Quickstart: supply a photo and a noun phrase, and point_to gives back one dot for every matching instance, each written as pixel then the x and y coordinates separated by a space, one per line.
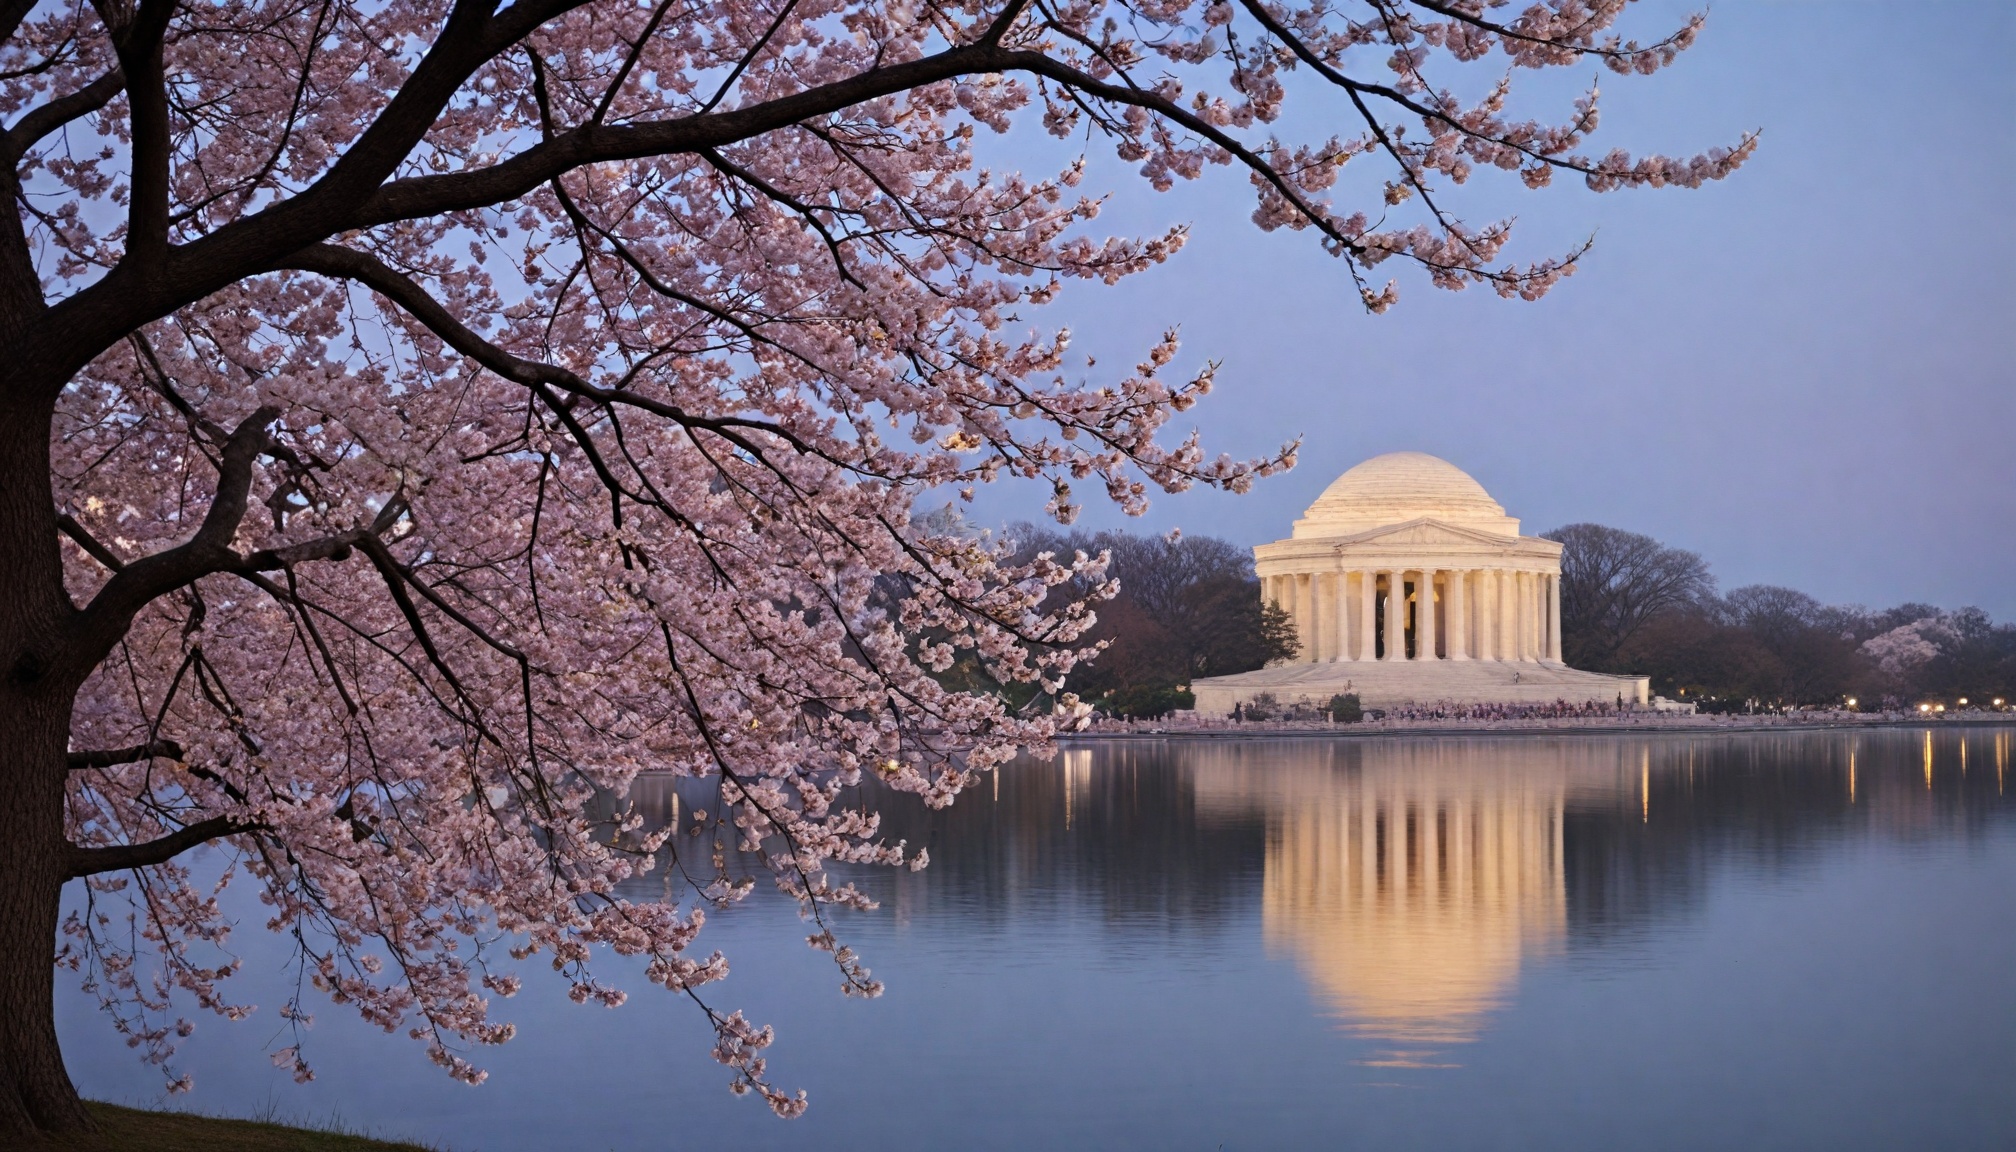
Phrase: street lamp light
pixel 1924 707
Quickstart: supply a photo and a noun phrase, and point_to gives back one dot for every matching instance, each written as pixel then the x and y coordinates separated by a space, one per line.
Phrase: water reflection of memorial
pixel 1412 881
pixel 1409 881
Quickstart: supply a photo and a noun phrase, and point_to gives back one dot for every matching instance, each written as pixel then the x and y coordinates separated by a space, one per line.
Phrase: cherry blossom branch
pixel 120 857
pixel 350 264
pixel 1627 55
pixel 416 196
pixel 91 545
pixel 106 758
pixel 137 584
pixel 43 119
pixel 138 37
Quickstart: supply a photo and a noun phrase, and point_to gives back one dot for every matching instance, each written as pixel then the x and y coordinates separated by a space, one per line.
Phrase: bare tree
pixel 1613 582
pixel 1184 607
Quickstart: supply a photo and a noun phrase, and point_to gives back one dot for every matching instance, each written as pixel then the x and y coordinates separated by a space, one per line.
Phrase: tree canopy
pixel 421 417
pixel 1184 606
pixel 1613 582
pixel 1631 604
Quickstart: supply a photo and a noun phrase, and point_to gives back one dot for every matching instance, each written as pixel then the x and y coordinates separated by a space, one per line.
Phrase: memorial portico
pixel 1405 562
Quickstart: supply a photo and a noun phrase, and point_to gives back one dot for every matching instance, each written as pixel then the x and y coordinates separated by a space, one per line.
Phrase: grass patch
pixel 136 1130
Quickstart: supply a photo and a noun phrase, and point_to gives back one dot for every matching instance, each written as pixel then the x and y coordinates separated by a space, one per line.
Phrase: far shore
pixel 1643 724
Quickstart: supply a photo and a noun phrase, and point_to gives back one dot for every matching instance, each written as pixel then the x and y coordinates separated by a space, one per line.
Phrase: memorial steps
pixel 1390 683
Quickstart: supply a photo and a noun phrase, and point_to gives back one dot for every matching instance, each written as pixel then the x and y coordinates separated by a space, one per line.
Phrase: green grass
pixel 134 1130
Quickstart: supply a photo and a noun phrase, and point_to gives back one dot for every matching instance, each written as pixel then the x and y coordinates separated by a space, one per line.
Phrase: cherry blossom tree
pixel 419 418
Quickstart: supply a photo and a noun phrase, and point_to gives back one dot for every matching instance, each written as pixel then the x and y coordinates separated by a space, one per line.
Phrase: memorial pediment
pixel 1430 533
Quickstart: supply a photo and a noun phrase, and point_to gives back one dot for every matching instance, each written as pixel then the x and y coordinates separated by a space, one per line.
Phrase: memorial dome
pixel 1403 486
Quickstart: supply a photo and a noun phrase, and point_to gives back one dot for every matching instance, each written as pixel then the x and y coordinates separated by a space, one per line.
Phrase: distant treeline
pixel 1187 607
pixel 1631 604
pixel 1190 607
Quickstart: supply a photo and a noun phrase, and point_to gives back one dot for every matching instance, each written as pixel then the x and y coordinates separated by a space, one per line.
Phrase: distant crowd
pixel 1440 710
pixel 1556 710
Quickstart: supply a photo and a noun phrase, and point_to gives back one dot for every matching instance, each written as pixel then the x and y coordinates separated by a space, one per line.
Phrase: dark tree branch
pixel 630 59
pixel 138 37
pixel 92 546
pixel 749 57
pixel 119 857
pixel 12 13
pixel 1604 51
pixel 107 757
pixel 135 585
pixel 350 196
pixel 148 285
pixel 1002 23
pixel 40 121
pixel 349 264
pixel 729 168
pixel 597 143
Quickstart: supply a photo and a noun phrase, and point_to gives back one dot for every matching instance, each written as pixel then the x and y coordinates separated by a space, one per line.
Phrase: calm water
pixel 1755 941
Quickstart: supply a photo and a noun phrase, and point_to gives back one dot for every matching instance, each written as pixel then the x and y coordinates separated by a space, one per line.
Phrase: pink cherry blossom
pixel 421 419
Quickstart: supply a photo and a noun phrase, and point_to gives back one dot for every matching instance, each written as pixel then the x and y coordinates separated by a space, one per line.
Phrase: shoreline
pixel 1313 730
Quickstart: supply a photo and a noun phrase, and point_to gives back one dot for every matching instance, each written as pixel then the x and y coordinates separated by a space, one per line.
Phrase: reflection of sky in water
pixel 1583 942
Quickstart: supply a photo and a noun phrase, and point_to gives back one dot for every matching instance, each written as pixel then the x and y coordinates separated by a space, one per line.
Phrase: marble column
pixel 1459 616
pixel 1312 626
pixel 1305 626
pixel 1538 597
pixel 1488 647
pixel 1538 632
pixel 1424 627
pixel 1523 589
pixel 1323 614
pixel 1480 612
pixel 1554 618
pixel 1396 608
pixel 1508 617
pixel 1533 616
pixel 1340 616
pixel 1368 615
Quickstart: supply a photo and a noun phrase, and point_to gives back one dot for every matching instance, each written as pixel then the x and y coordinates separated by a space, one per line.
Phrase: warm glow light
pixel 1939 708
pixel 1998 701
pixel 1963 699
pixel 1924 707
pixel 1851 701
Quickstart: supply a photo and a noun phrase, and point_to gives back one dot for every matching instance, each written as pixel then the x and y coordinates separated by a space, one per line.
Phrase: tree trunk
pixel 37 690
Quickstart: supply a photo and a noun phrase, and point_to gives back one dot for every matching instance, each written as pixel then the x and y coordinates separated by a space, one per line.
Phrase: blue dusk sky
pixel 1802 373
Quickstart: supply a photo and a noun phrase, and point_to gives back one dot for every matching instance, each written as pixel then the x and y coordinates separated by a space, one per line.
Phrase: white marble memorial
pixel 1407 584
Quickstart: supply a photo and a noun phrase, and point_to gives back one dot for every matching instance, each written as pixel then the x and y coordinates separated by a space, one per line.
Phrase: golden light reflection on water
pixel 1413 883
